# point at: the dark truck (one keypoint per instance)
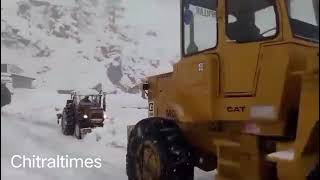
(84, 111)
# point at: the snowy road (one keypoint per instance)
(29, 127)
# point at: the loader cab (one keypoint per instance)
(209, 24)
(234, 30)
(239, 53)
(237, 30)
(204, 23)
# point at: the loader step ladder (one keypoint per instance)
(228, 160)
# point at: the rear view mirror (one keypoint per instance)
(188, 17)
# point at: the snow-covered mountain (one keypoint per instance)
(113, 42)
(70, 44)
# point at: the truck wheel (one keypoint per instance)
(157, 150)
(314, 174)
(77, 131)
(67, 124)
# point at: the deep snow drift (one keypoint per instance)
(74, 44)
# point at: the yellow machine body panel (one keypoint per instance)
(231, 81)
(230, 98)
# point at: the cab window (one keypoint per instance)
(199, 25)
(304, 18)
(251, 20)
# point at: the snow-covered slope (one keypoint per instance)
(78, 39)
(31, 128)
(68, 44)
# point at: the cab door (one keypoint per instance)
(196, 76)
(247, 25)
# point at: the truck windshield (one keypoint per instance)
(304, 18)
(90, 99)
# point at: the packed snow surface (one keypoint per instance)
(29, 127)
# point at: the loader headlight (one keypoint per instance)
(105, 116)
(85, 116)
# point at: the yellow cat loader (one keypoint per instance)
(244, 98)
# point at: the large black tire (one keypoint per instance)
(68, 121)
(314, 174)
(77, 131)
(163, 140)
